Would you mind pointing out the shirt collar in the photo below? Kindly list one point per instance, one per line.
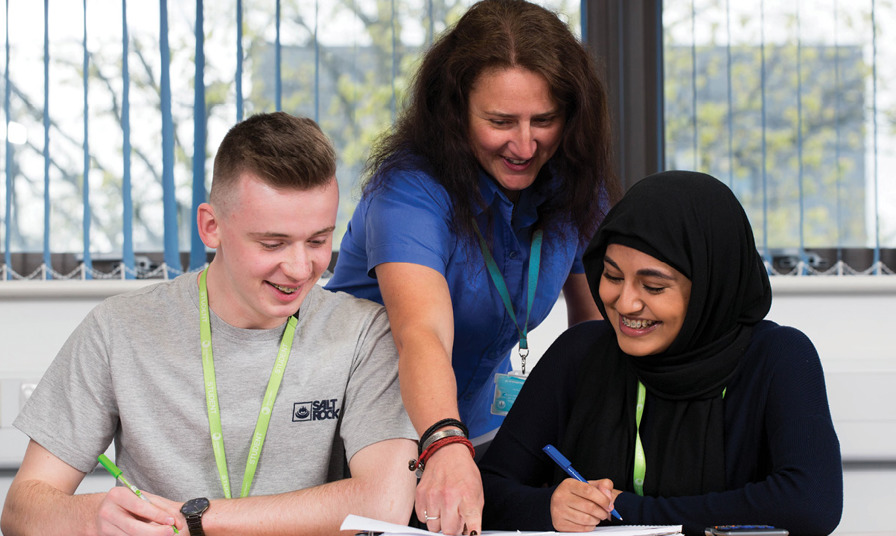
(530, 199)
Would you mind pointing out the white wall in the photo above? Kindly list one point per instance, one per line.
(850, 320)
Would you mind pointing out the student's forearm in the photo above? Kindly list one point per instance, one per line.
(35, 507)
(313, 511)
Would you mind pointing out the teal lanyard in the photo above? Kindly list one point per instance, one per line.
(640, 461)
(211, 395)
(498, 279)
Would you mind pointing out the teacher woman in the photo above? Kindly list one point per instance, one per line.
(475, 213)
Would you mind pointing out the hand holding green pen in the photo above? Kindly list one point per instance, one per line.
(116, 472)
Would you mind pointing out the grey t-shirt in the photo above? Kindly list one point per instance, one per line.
(132, 373)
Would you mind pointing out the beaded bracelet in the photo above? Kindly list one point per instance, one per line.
(418, 464)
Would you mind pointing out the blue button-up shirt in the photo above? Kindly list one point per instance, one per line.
(409, 220)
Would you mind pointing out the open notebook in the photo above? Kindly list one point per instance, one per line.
(365, 524)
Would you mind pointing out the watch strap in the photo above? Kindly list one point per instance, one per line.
(194, 523)
(193, 511)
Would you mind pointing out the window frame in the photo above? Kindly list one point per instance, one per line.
(626, 38)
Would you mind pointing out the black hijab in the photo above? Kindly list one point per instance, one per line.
(694, 223)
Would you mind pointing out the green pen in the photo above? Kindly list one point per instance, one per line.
(116, 472)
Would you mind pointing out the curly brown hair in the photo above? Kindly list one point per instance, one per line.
(433, 130)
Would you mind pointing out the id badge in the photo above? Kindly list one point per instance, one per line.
(507, 387)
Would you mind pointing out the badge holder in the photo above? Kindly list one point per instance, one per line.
(508, 385)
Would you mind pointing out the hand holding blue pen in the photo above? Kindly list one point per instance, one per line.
(566, 465)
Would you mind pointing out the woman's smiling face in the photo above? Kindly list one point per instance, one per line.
(515, 126)
(645, 299)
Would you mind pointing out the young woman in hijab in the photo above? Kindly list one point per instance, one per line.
(502, 158)
(685, 406)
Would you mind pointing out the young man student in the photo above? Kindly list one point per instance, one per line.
(183, 375)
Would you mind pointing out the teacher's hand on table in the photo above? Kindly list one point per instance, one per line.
(580, 506)
(449, 495)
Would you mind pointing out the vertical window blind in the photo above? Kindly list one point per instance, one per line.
(793, 104)
(114, 110)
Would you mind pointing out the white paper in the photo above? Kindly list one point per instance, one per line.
(365, 524)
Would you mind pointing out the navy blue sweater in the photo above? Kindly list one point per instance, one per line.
(782, 455)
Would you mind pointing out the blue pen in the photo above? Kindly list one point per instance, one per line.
(566, 465)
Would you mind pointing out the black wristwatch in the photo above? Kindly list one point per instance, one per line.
(193, 510)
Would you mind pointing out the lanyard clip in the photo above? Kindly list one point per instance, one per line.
(524, 352)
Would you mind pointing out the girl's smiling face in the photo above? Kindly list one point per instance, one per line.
(646, 300)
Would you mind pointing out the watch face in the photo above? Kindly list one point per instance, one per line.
(194, 507)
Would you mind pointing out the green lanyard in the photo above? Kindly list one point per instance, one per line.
(498, 279)
(211, 395)
(640, 460)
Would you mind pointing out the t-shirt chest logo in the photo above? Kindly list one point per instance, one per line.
(317, 410)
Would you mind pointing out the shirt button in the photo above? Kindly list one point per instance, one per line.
(512, 254)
